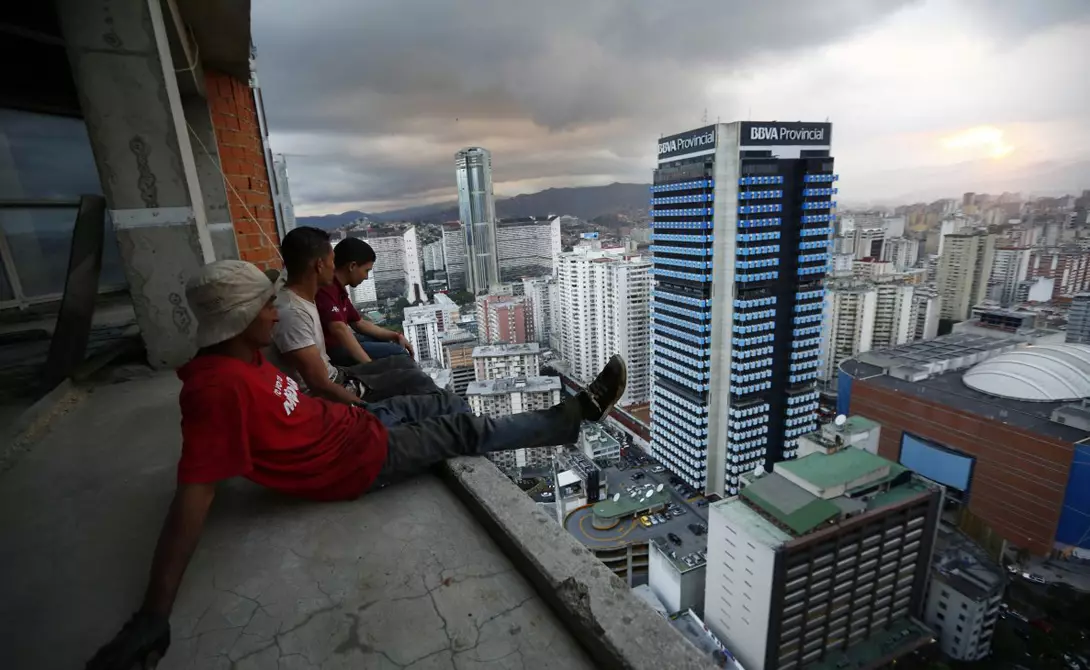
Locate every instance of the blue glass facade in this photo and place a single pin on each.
(781, 211)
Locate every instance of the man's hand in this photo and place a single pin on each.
(404, 341)
(139, 646)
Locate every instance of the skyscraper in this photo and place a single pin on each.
(603, 308)
(1010, 268)
(454, 256)
(477, 208)
(527, 247)
(742, 214)
(850, 308)
(964, 269)
(1078, 321)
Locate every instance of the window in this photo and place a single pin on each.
(961, 617)
(942, 605)
(960, 629)
(957, 640)
(941, 616)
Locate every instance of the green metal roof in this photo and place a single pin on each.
(790, 505)
(826, 471)
(627, 505)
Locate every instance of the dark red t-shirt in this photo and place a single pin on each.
(334, 305)
(250, 420)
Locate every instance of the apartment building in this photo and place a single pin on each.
(527, 247)
(458, 346)
(848, 328)
(965, 266)
(504, 397)
(498, 361)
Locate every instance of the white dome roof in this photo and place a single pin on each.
(1043, 373)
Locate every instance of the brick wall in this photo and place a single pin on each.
(238, 136)
(1019, 478)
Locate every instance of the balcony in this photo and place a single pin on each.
(457, 569)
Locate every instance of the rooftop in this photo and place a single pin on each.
(408, 576)
(840, 469)
(788, 504)
(486, 350)
(1047, 372)
(948, 352)
(514, 385)
(965, 566)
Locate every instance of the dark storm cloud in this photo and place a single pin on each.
(372, 97)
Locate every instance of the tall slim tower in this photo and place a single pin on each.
(477, 209)
(742, 213)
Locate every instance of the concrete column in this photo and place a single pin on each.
(125, 76)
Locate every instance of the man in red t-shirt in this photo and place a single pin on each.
(349, 338)
(243, 417)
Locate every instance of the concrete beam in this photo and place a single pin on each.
(615, 627)
(210, 175)
(129, 96)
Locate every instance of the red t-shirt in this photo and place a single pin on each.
(250, 420)
(334, 305)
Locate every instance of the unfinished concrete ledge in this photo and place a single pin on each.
(617, 629)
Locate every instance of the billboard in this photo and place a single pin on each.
(773, 133)
(939, 464)
(690, 143)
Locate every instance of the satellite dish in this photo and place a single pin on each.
(659, 488)
(616, 497)
(840, 420)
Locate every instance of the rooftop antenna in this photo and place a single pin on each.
(658, 489)
(616, 497)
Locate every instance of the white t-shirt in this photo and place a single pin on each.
(299, 327)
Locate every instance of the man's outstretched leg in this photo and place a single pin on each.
(414, 447)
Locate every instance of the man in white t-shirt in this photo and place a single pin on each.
(298, 344)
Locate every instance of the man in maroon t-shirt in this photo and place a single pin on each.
(243, 417)
(349, 338)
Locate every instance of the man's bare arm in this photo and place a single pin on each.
(177, 542)
(343, 334)
(315, 373)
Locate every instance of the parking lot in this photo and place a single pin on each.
(687, 512)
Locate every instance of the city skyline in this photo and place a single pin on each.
(377, 138)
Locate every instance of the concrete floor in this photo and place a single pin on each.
(403, 578)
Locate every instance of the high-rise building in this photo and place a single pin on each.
(949, 226)
(422, 331)
(458, 346)
(505, 319)
(603, 309)
(893, 315)
(1068, 268)
(1008, 269)
(527, 247)
(454, 256)
(397, 271)
(869, 242)
(504, 397)
(498, 361)
(742, 213)
(541, 292)
(902, 252)
(282, 196)
(442, 308)
(477, 209)
(826, 558)
(965, 267)
(433, 256)
(1078, 320)
(926, 305)
(850, 309)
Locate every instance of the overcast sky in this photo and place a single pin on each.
(371, 98)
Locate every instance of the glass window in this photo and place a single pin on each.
(45, 157)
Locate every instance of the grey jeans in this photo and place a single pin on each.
(425, 430)
(389, 377)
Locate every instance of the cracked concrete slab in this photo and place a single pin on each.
(403, 578)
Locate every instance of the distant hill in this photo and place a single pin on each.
(585, 202)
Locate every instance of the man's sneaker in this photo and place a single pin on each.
(607, 388)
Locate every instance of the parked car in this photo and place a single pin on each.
(695, 529)
(645, 522)
(1036, 579)
(674, 538)
(658, 469)
(701, 503)
(637, 476)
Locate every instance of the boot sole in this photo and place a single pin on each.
(624, 385)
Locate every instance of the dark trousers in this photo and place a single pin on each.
(391, 376)
(425, 430)
(376, 349)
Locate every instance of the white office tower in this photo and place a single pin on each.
(541, 291)
(477, 210)
(965, 266)
(741, 216)
(604, 309)
(498, 361)
(445, 311)
(1009, 268)
(433, 256)
(902, 252)
(527, 247)
(504, 397)
(822, 563)
(926, 306)
(850, 308)
(422, 331)
(454, 256)
(893, 315)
